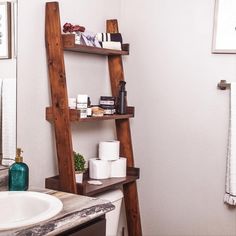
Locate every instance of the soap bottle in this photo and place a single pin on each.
(122, 98)
(18, 174)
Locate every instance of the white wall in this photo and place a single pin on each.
(180, 129)
(85, 74)
(8, 66)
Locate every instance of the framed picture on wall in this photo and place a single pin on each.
(5, 30)
(224, 34)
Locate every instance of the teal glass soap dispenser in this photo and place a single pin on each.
(18, 174)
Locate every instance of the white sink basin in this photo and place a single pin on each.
(25, 208)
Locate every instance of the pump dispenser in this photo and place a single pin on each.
(122, 98)
(18, 174)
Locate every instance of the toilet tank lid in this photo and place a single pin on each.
(111, 196)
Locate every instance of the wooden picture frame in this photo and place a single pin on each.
(5, 30)
(224, 34)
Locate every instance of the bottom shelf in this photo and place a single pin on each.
(89, 190)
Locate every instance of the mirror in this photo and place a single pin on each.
(8, 73)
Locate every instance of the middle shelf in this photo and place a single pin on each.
(75, 115)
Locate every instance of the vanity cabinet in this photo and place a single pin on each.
(61, 116)
(94, 227)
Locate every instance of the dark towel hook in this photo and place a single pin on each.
(223, 85)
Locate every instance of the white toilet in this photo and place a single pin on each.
(112, 217)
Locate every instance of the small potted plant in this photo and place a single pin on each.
(79, 164)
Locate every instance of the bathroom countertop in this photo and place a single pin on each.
(77, 209)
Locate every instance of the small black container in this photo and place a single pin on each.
(121, 109)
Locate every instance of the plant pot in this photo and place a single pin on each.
(79, 177)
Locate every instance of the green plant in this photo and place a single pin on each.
(79, 162)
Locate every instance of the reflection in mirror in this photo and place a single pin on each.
(8, 59)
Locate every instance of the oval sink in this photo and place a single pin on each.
(25, 208)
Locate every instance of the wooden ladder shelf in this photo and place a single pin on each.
(61, 116)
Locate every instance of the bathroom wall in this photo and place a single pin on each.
(8, 66)
(180, 128)
(85, 74)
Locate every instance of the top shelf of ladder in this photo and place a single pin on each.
(69, 45)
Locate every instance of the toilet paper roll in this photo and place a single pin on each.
(99, 169)
(109, 150)
(118, 167)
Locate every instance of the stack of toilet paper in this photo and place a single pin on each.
(109, 164)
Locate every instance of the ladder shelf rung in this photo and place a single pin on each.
(68, 41)
(75, 116)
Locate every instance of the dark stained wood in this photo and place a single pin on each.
(75, 116)
(60, 111)
(107, 184)
(132, 209)
(9, 30)
(95, 227)
(61, 116)
(124, 136)
(53, 183)
(68, 40)
(69, 45)
(95, 50)
(112, 26)
(91, 190)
